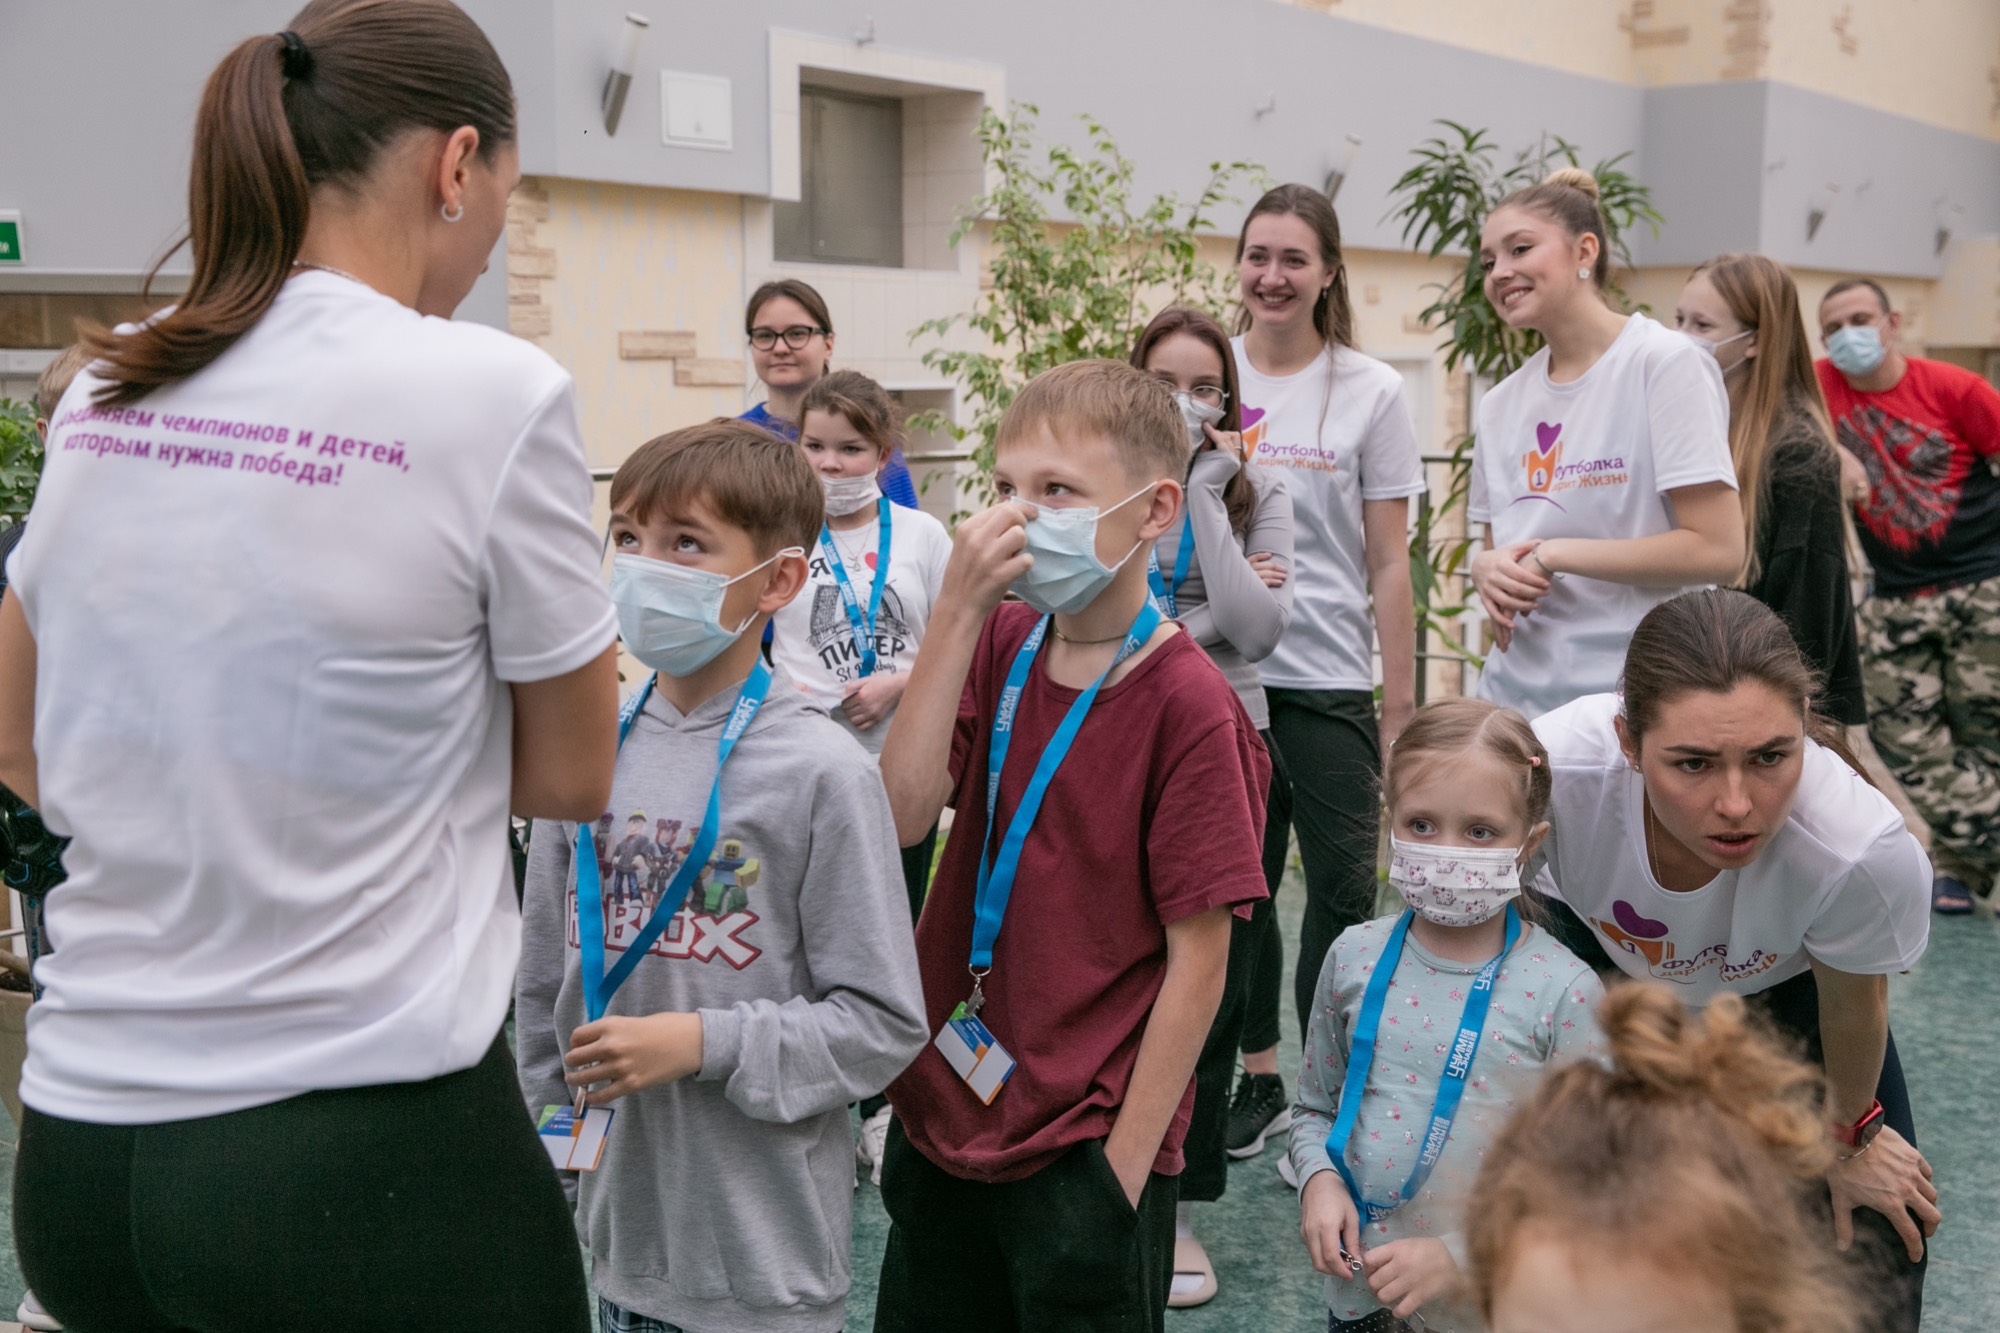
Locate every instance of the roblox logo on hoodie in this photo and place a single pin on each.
(637, 862)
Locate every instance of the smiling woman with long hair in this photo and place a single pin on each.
(1710, 830)
(1336, 424)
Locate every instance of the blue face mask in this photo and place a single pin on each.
(1067, 575)
(670, 616)
(1856, 349)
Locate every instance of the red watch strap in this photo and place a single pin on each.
(1850, 1135)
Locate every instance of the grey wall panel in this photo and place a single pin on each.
(1891, 172)
(101, 177)
(1704, 161)
(1178, 83)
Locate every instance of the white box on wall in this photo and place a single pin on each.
(695, 111)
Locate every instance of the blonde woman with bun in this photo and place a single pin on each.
(1602, 468)
(1672, 1189)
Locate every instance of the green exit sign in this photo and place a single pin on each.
(10, 237)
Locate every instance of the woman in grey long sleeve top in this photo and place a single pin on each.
(1224, 572)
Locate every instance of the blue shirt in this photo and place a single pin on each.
(897, 483)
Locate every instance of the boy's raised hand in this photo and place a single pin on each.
(1331, 1227)
(988, 552)
(628, 1054)
(1407, 1275)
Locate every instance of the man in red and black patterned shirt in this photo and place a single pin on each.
(1925, 434)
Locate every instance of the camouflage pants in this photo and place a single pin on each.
(1932, 671)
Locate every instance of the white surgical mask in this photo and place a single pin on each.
(1455, 886)
(845, 495)
(1194, 415)
(1067, 575)
(1714, 347)
(670, 616)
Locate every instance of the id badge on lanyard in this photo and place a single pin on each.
(965, 1041)
(574, 1135)
(1451, 1086)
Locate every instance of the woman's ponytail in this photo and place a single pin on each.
(281, 116)
(247, 206)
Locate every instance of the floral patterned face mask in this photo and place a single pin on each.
(1455, 886)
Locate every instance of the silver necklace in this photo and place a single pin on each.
(327, 268)
(1652, 850)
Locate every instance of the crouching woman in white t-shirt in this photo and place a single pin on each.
(310, 600)
(1601, 468)
(1710, 830)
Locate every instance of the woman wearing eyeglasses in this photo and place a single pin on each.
(791, 344)
(1224, 572)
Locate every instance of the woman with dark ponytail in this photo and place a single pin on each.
(309, 601)
(1711, 830)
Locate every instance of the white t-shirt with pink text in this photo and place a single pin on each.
(1842, 880)
(1594, 457)
(277, 607)
(1341, 433)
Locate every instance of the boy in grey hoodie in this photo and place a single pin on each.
(783, 983)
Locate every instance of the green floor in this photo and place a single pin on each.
(1947, 1024)
(1946, 1014)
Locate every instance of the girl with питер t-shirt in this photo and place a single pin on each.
(1601, 468)
(1335, 424)
(1710, 831)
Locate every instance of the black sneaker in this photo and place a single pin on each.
(1259, 1108)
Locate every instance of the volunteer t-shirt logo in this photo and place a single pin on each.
(1253, 431)
(1542, 461)
(1643, 937)
(1549, 476)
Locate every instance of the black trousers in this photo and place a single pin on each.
(1793, 1009)
(1063, 1251)
(1255, 947)
(415, 1206)
(1332, 755)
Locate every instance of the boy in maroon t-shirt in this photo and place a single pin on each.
(1041, 1194)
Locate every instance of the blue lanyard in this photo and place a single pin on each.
(1167, 591)
(1451, 1086)
(996, 879)
(864, 629)
(598, 985)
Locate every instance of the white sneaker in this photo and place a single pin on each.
(32, 1315)
(1286, 1171)
(874, 1137)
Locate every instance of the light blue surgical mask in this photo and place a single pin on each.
(1067, 575)
(670, 616)
(1856, 349)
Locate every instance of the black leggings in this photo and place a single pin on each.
(410, 1206)
(1207, 1172)
(1332, 758)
